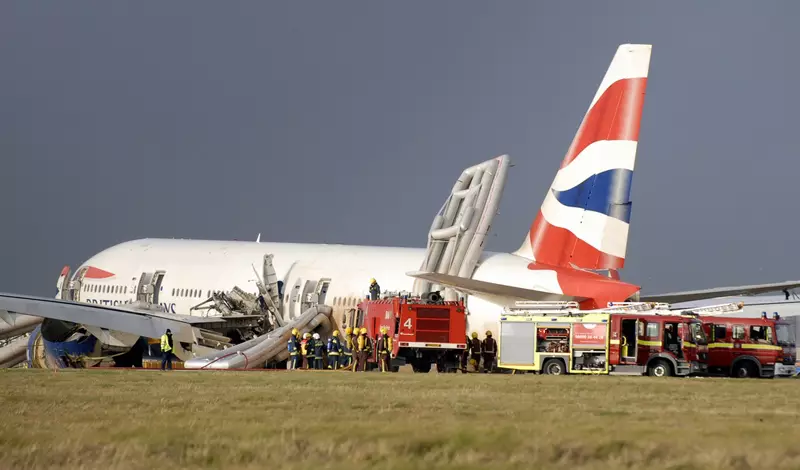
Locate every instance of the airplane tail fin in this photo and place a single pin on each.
(583, 221)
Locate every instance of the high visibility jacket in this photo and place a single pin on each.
(334, 346)
(165, 343)
(310, 345)
(385, 344)
(489, 345)
(294, 346)
(304, 346)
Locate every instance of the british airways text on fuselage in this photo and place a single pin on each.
(166, 307)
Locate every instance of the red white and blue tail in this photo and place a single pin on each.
(585, 216)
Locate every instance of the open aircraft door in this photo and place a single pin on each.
(150, 287)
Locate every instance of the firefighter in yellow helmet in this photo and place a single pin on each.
(475, 352)
(489, 349)
(385, 349)
(374, 289)
(294, 350)
(334, 350)
(347, 348)
(364, 350)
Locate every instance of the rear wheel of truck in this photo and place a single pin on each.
(744, 370)
(659, 368)
(554, 367)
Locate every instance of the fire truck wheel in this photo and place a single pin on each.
(659, 368)
(744, 369)
(554, 367)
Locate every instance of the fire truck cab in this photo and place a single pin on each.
(750, 347)
(625, 339)
(424, 330)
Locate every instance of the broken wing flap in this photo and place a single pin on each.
(688, 296)
(490, 289)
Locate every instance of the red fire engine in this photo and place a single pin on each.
(423, 330)
(627, 338)
(750, 347)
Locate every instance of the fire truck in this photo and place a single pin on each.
(750, 347)
(632, 338)
(425, 330)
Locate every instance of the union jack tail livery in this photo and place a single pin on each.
(583, 221)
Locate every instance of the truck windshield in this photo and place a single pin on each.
(785, 334)
(696, 333)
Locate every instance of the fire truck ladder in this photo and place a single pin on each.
(732, 307)
(457, 234)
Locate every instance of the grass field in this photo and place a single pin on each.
(310, 420)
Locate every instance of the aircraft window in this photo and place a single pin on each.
(125, 290)
(209, 293)
(738, 332)
(116, 290)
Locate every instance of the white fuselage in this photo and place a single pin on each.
(195, 268)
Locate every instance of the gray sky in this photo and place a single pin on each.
(123, 120)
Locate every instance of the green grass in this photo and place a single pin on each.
(148, 419)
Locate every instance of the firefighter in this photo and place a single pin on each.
(364, 349)
(489, 350)
(475, 351)
(167, 350)
(305, 346)
(294, 350)
(374, 289)
(347, 348)
(465, 355)
(385, 349)
(319, 350)
(334, 350)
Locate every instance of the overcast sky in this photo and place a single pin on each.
(123, 120)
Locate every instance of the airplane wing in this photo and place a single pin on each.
(687, 296)
(490, 289)
(147, 323)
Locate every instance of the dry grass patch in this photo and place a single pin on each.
(139, 419)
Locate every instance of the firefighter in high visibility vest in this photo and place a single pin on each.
(167, 350)
(489, 350)
(475, 351)
(385, 349)
(305, 345)
(347, 348)
(364, 350)
(334, 350)
(294, 350)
